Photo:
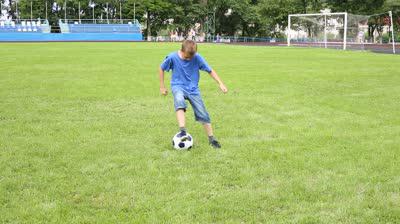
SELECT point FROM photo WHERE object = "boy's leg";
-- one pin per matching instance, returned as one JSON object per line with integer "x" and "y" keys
{"x": 213, "y": 142}
{"x": 202, "y": 116}
{"x": 208, "y": 129}
{"x": 180, "y": 117}
{"x": 211, "y": 139}
{"x": 180, "y": 108}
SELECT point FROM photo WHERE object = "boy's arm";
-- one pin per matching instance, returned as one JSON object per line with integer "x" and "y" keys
{"x": 163, "y": 90}
{"x": 215, "y": 76}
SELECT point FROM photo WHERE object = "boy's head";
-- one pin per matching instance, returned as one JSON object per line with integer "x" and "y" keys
{"x": 189, "y": 49}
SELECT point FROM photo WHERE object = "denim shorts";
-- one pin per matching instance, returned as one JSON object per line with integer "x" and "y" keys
{"x": 200, "y": 112}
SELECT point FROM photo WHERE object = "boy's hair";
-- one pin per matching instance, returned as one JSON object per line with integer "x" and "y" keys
{"x": 189, "y": 47}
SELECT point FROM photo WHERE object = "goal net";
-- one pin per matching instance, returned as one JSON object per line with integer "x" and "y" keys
{"x": 376, "y": 33}
{"x": 317, "y": 30}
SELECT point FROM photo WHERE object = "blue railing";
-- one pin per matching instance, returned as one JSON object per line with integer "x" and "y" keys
{"x": 78, "y": 26}
{"x": 103, "y": 28}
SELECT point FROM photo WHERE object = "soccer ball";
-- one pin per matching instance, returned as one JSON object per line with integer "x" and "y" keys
{"x": 182, "y": 143}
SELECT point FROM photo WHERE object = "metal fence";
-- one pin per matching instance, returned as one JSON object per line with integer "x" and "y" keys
{"x": 219, "y": 39}
{"x": 100, "y": 21}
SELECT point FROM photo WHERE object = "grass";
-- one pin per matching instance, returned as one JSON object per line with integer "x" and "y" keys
{"x": 308, "y": 135}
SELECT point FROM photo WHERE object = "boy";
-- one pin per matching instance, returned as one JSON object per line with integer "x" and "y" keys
{"x": 185, "y": 65}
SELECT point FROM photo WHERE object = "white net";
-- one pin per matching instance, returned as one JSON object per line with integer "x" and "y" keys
{"x": 318, "y": 30}
{"x": 372, "y": 32}
{"x": 346, "y": 31}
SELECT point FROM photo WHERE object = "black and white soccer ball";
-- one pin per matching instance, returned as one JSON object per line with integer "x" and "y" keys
{"x": 182, "y": 143}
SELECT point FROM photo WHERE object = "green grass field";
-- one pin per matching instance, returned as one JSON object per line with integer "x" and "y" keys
{"x": 308, "y": 136}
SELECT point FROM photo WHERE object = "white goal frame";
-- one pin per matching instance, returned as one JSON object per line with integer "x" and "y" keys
{"x": 325, "y": 33}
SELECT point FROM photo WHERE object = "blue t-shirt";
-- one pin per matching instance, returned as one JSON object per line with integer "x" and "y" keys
{"x": 185, "y": 73}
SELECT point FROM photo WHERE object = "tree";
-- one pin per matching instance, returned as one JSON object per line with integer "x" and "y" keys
{"x": 234, "y": 16}
{"x": 187, "y": 13}
{"x": 394, "y": 6}
{"x": 274, "y": 13}
{"x": 365, "y": 7}
{"x": 155, "y": 14}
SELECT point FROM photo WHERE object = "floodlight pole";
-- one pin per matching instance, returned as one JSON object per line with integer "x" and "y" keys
{"x": 107, "y": 13}
{"x": 392, "y": 25}
{"x": 120, "y": 11}
{"x": 16, "y": 9}
{"x": 215, "y": 30}
{"x": 46, "y": 10}
{"x": 134, "y": 11}
{"x": 289, "y": 30}
{"x": 345, "y": 32}
{"x": 65, "y": 11}
{"x": 79, "y": 11}
{"x": 31, "y": 10}
{"x": 325, "y": 37}
{"x": 93, "y": 13}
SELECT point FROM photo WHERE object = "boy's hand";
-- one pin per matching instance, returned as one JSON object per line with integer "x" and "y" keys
{"x": 223, "y": 88}
{"x": 163, "y": 91}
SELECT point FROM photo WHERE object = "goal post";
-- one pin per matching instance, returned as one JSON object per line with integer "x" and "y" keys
{"x": 345, "y": 31}
{"x": 322, "y": 29}
{"x": 392, "y": 30}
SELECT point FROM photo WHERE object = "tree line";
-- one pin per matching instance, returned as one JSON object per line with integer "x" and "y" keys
{"x": 252, "y": 18}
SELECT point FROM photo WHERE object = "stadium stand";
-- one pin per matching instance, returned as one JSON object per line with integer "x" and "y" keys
{"x": 71, "y": 30}
{"x": 32, "y": 26}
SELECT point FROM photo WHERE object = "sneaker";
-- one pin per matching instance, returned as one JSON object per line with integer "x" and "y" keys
{"x": 215, "y": 144}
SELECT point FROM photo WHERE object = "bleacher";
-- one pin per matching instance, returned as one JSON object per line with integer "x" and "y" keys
{"x": 79, "y": 27}
{"x": 31, "y": 26}
{"x": 71, "y": 30}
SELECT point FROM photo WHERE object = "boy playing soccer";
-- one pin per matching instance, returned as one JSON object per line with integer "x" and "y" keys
{"x": 185, "y": 65}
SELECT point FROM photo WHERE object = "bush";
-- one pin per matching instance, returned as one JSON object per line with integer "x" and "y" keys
{"x": 386, "y": 38}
